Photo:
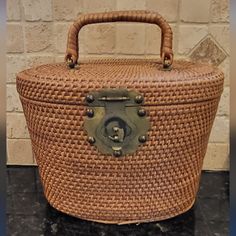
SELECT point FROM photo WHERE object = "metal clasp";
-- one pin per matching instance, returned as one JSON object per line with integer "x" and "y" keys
{"x": 115, "y": 123}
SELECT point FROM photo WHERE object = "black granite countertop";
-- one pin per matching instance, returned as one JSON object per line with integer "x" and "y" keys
{"x": 29, "y": 214}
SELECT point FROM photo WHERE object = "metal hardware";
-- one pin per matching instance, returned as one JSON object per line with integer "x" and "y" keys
{"x": 118, "y": 121}
{"x": 167, "y": 65}
{"x": 70, "y": 63}
{"x": 141, "y": 112}
{"x": 117, "y": 153}
{"x": 91, "y": 140}
{"x": 114, "y": 99}
{"x": 119, "y": 134}
{"x": 89, "y": 98}
{"x": 142, "y": 139}
{"x": 138, "y": 99}
{"x": 90, "y": 112}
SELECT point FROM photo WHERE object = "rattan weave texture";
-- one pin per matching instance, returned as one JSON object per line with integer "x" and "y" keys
{"x": 186, "y": 82}
{"x": 160, "y": 180}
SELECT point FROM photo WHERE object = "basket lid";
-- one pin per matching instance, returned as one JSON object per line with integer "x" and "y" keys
{"x": 159, "y": 81}
{"x": 186, "y": 82}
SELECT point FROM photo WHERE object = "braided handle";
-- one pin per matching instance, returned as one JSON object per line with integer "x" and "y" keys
{"x": 118, "y": 16}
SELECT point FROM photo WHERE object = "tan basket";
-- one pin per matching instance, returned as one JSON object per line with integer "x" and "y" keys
{"x": 157, "y": 181}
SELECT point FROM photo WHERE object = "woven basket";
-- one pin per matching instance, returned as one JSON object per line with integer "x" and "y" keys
{"x": 157, "y": 180}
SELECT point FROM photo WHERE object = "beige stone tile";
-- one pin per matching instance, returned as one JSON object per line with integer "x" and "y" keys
{"x": 16, "y": 126}
{"x": 82, "y": 39}
{"x": 14, "y": 41}
{"x": 225, "y": 67}
{"x": 208, "y": 51}
{"x": 217, "y": 157}
{"x": 224, "y": 107}
{"x": 100, "y": 38}
{"x": 195, "y": 11}
{"x": 13, "y": 100}
{"x": 35, "y": 10}
{"x": 67, "y": 10}
{"x": 38, "y": 37}
{"x": 19, "y": 152}
{"x": 131, "y": 5}
{"x": 222, "y": 35}
{"x": 61, "y": 34}
{"x": 15, "y": 64}
{"x": 153, "y": 39}
{"x": 37, "y": 60}
{"x": 97, "y": 56}
{"x": 168, "y": 8}
{"x": 190, "y": 36}
{"x": 130, "y": 39}
{"x": 220, "y": 10}
{"x": 99, "y": 5}
{"x": 13, "y": 10}
{"x": 34, "y": 160}
{"x": 59, "y": 58}
{"x": 18, "y": 63}
{"x": 220, "y": 130}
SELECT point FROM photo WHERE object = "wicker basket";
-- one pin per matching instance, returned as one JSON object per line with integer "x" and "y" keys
{"x": 167, "y": 108}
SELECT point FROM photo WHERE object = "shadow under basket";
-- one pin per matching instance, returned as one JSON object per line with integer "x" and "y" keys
{"x": 120, "y": 140}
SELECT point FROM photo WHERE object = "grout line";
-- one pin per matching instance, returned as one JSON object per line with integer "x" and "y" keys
{"x": 119, "y": 54}
{"x": 14, "y": 139}
{"x": 210, "y": 14}
{"x": 29, "y": 21}
{"x": 220, "y": 23}
{"x": 14, "y": 22}
{"x": 194, "y": 23}
{"x": 177, "y": 28}
{"x": 45, "y": 54}
{"x": 23, "y": 25}
{"x": 145, "y": 34}
{"x": 219, "y": 143}
{"x": 116, "y": 33}
{"x": 54, "y": 39}
{"x": 16, "y": 53}
{"x": 10, "y": 83}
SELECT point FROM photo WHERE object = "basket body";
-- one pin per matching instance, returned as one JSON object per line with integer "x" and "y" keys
{"x": 160, "y": 180}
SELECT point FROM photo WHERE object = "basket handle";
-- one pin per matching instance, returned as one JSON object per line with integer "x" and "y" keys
{"x": 118, "y": 16}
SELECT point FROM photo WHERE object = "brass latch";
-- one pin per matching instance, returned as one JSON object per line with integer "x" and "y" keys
{"x": 116, "y": 124}
{"x": 119, "y": 134}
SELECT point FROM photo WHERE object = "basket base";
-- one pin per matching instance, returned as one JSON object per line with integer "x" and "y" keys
{"x": 126, "y": 222}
